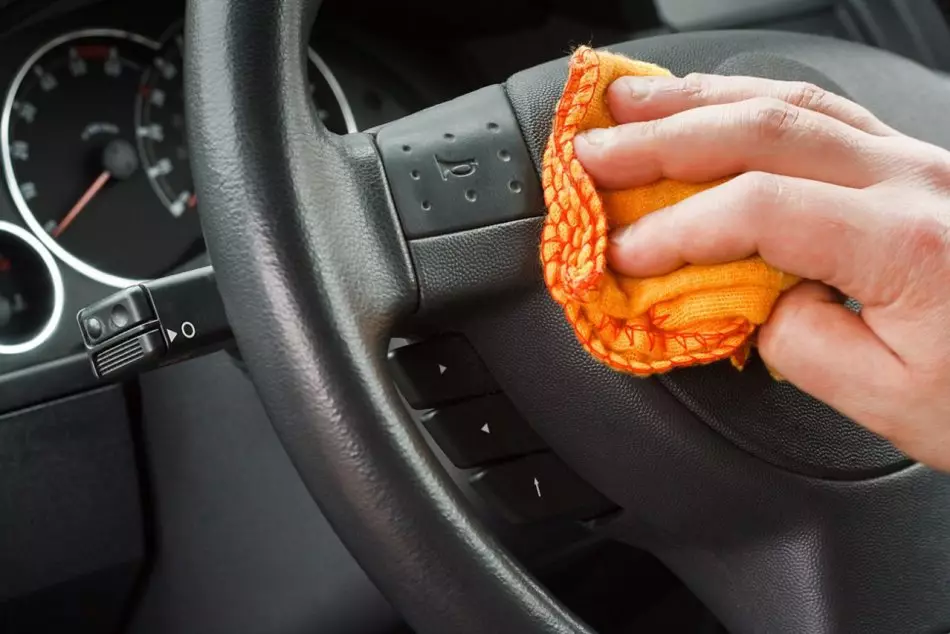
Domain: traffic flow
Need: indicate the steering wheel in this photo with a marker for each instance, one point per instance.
(781, 515)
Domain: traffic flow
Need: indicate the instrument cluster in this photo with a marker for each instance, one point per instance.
(95, 162)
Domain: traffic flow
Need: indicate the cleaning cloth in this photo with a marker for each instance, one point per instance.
(695, 315)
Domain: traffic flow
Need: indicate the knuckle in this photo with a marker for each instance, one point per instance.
(652, 129)
(807, 95)
(759, 190)
(934, 167)
(759, 199)
(926, 238)
(919, 256)
(773, 119)
(925, 248)
(695, 85)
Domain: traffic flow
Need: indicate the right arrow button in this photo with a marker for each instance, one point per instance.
(441, 370)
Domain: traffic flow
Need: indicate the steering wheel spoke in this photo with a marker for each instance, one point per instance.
(468, 197)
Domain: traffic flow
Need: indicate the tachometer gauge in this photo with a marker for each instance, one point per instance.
(160, 122)
(69, 142)
(160, 128)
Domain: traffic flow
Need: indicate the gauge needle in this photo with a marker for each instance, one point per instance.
(90, 193)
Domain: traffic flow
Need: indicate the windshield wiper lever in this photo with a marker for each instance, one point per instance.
(155, 323)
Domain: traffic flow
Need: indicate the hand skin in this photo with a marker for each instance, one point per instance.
(825, 191)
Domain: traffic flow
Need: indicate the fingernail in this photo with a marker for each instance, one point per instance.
(595, 136)
(644, 87)
(635, 87)
(619, 237)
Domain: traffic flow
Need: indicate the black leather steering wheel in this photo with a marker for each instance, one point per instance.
(781, 515)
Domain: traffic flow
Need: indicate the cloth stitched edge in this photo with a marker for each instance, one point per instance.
(695, 315)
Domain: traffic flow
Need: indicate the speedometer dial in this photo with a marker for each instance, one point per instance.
(95, 152)
(68, 138)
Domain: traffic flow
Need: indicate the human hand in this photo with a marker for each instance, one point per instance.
(826, 192)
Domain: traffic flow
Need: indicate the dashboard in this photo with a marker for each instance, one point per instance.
(98, 192)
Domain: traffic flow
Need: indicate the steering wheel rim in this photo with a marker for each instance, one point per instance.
(316, 273)
(424, 584)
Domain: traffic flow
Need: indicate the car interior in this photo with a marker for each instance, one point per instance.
(267, 367)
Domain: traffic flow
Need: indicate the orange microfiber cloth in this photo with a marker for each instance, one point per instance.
(695, 315)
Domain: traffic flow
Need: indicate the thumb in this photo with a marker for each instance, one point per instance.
(826, 350)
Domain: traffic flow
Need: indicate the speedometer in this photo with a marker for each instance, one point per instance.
(95, 152)
(68, 138)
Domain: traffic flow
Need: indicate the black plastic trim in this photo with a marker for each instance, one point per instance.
(45, 382)
(473, 266)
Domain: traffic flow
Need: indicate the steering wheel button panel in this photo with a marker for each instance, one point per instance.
(440, 371)
(537, 488)
(483, 430)
(460, 165)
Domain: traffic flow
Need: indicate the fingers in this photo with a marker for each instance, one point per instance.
(829, 352)
(806, 228)
(647, 98)
(707, 143)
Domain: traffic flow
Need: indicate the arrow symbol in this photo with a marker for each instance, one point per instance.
(485, 428)
(171, 334)
(442, 369)
(537, 487)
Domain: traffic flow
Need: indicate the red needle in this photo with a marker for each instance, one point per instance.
(81, 203)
